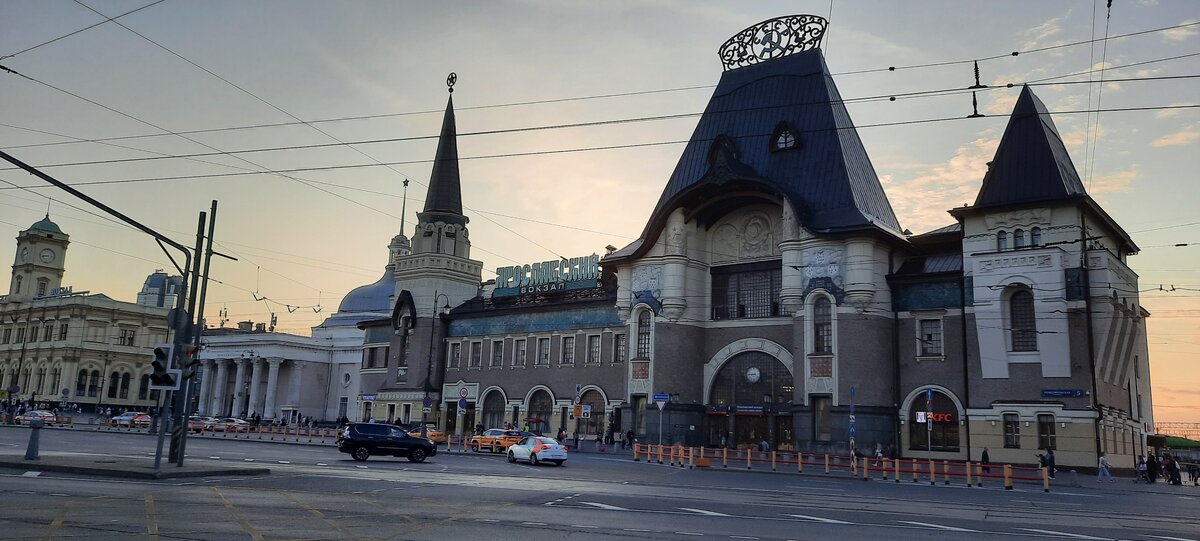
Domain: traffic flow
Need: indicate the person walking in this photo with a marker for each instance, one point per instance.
(1141, 471)
(1152, 469)
(1050, 469)
(1103, 470)
(985, 461)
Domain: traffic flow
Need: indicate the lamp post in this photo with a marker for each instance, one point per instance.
(427, 404)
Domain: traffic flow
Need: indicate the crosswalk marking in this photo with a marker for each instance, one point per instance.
(1065, 534)
(938, 526)
(818, 519)
(702, 512)
(604, 506)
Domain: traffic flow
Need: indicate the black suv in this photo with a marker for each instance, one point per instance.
(361, 440)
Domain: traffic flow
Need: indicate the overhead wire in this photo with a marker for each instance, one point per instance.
(89, 27)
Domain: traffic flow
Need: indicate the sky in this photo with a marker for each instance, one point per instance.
(368, 78)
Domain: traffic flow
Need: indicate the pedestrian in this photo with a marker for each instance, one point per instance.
(1141, 471)
(630, 437)
(878, 453)
(1174, 477)
(1102, 470)
(764, 446)
(1152, 468)
(576, 437)
(985, 461)
(1050, 469)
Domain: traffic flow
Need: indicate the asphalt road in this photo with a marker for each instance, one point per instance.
(314, 492)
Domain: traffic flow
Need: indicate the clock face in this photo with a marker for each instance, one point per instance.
(752, 374)
(24, 254)
(47, 255)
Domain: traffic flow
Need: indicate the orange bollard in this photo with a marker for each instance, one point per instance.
(866, 469)
(660, 454)
(799, 462)
(772, 460)
(826, 463)
(932, 472)
(853, 465)
(635, 452)
(946, 471)
(914, 467)
(748, 453)
(1045, 479)
(979, 475)
(884, 466)
(896, 465)
(724, 457)
(1008, 477)
(968, 474)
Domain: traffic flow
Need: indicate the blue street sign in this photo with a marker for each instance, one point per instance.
(662, 397)
(462, 404)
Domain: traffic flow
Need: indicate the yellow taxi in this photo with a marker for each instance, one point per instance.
(496, 440)
(431, 433)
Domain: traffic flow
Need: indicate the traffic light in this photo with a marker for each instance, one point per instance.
(188, 359)
(161, 363)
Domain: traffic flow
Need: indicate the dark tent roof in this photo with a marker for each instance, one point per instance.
(443, 202)
(827, 177)
(1031, 163)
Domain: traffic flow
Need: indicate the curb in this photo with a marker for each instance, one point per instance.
(38, 465)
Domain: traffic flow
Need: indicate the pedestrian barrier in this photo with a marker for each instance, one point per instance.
(971, 474)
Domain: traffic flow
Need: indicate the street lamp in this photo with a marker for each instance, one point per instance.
(426, 404)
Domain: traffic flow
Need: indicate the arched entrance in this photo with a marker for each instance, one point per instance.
(933, 426)
(541, 410)
(750, 402)
(593, 425)
(493, 409)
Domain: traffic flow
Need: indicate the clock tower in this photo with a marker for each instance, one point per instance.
(39, 263)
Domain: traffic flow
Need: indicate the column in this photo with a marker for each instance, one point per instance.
(205, 386)
(272, 386)
(255, 384)
(219, 385)
(239, 387)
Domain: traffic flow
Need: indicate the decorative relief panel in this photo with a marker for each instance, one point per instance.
(758, 237)
(676, 240)
(1038, 261)
(823, 263)
(1016, 218)
(724, 244)
(648, 278)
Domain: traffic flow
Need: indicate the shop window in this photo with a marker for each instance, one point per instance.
(1046, 432)
(935, 430)
(822, 326)
(1012, 431)
(822, 418)
(930, 337)
(746, 291)
(1023, 321)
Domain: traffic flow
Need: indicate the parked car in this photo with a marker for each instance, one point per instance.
(230, 424)
(536, 449)
(131, 419)
(198, 423)
(47, 416)
(362, 440)
(431, 433)
(496, 440)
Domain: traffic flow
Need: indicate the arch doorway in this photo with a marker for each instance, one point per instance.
(750, 402)
(493, 410)
(594, 424)
(541, 409)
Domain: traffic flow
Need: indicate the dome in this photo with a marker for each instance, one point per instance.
(376, 297)
(46, 225)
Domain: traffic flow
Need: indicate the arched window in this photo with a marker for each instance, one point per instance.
(94, 383)
(124, 386)
(594, 424)
(643, 335)
(1001, 241)
(144, 387)
(113, 380)
(41, 381)
(541, 409)
(1018, 239)
(81, 383)
(1035, 236)
(493, 410)
(1023, 321)
(822, 326)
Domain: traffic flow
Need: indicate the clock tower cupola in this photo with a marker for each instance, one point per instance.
(39, 263)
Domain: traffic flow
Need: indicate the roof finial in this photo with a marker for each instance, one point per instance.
(48, 201)
(404, 207)
(450, 80)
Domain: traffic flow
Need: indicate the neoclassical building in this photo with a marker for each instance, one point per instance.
(58, 346)
(774, 295)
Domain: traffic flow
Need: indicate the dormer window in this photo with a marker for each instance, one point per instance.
(784, 138)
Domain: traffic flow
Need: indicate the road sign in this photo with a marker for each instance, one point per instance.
(586, 412)
(661, 399)
(578, 392)
(1063, 393)
(426, 409)
(427, 402)
(929, 400)
(66, 392)
(462, 404)
(462, 392)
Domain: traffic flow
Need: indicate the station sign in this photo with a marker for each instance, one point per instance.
(1063, 393)
(554, 275)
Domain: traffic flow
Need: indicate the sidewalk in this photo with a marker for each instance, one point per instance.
(123, 467)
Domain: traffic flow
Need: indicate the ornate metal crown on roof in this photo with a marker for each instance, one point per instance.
(773, 38)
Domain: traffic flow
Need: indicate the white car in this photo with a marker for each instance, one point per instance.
(536, 449)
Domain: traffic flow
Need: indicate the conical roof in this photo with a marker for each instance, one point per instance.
(827, 176)
(1031, 163)
(443, 202)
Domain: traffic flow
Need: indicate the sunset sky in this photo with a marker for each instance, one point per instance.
(373, 73)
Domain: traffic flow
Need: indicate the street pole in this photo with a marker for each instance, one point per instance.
(660, 426)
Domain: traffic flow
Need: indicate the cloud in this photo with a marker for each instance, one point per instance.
(1168, 113)
(1179, 138)
(1035, 35)
(1181, 34)
(922, 202)
(1115, 182)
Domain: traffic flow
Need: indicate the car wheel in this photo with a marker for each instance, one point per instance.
(475, 447)
(360, 453)
(512, 457)
(417, 455)
(533, 459)
(559, 462)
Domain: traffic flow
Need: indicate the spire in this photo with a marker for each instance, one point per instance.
(1031, 162)
(444, 201)
(404, 207)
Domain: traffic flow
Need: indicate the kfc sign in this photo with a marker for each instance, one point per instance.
(923, 417)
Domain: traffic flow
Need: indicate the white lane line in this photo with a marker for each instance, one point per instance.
(1168, 538)
(604, 506)
(534, 523)
(689, 533)
(322, 464)
(635, 530)
(804, 488)
(214, 458)
(702, 512)
(284, 462)
(1065, 534)
(585, 526)
(486, 520)
(742, 537)
(937, 526)
(58, 494)
(818, 519)
(31, 474)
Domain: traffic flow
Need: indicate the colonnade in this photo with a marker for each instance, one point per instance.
(215, 391)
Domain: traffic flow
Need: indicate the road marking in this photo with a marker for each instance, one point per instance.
(635, 530)
(284, 462)
(1169, 538)
(937, 526)
(31, 474)
(254, 534)
(604, 506)
(690, 533)
(818, 519)
(741, 537)
(322, 464)
(361, 467)
(486, 520)
(59, 494)
(533, 523)
(151, 519)
(248, 459)
(804, 488)
(585, 526)
(702, 512)
(1065, 534)
(214, 458)
(58, 520)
